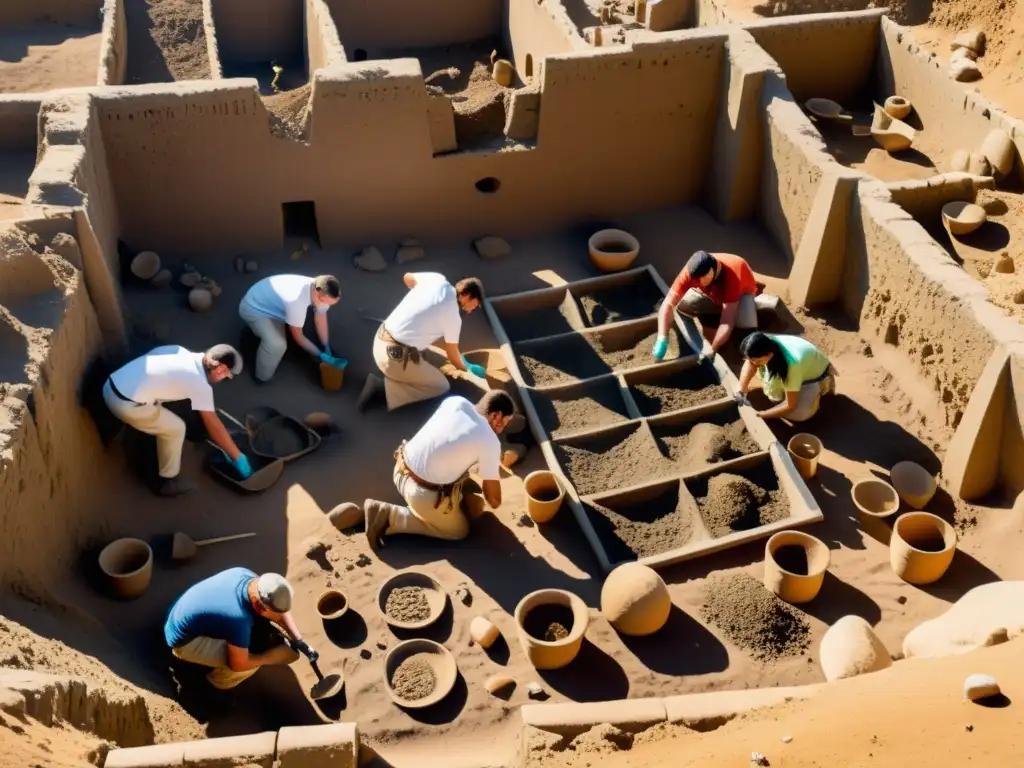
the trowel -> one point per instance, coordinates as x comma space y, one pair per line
325, 687
184, 548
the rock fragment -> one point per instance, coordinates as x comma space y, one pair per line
492, 247
964, 71
370, 259
980, 687
973, 40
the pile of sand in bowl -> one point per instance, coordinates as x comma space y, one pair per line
414, 678
408, 604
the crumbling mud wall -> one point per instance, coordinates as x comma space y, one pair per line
15, 13
534, 31
113, 44
376, 24
250, 31
323, 47
588, 104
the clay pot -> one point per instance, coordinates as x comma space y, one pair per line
891, 134
915, 484
635, 600
875, 498
921, 548
146, 265
200, 299
332, 604
790, 586
331, 377
962, 218
436, 597
128, 566
446, 671
898, 107
805, 449
503, 72
612, 250
540, 486
554, 654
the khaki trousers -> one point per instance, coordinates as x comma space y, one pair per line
810, 399
695, 302
446, 521
209, 652
155, 420
414, 382
273, 341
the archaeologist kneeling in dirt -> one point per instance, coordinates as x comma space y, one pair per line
430, 470
282, 300
709, 284
222, 621
134, 393
429, 311
793, 372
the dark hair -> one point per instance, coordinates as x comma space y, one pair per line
496, 401
759, 344
700, 264
471, 287
329, 285
225, 354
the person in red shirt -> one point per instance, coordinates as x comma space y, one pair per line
720, 282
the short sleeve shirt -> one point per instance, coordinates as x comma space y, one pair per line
285, 298
806, 362
166, 374
430, 310
454, 439
736, 279
217, 607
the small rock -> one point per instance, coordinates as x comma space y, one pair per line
382, 646
525, 521
317, 420
964, 71
365, 653
370, 259
162, 279
240, 265
200, 299
350, 566
492, 247
960, 161
499, 684
972, 39
362, 561
187, 266
980, 687
536, 691
462, 592
786, 739
756, 758
190, 279
251, 266
968, 728
961, 54
1004, 264
407, 253
902, 599
483, 631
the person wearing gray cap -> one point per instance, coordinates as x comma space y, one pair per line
136, 391
214, 622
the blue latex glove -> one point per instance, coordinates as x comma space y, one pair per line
660, 347
327, 349
337, 362
476, 370
241, 464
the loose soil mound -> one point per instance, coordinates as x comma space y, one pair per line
698, 445
620, 357
645, 528
734, 503
549, 622
408, 604
289, 118
559, 361
414, 678
166, 41
597, 405
613, 305
683, 389
602, 739
753, 618
608, 463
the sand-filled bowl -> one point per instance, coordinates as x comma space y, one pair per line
332, 604
915, 484
146, 265
551, 624
419, 673
128, 566
612, 250
795, 565
805, 450
922, 547
419, 604
962, 218
875, 497
544, 495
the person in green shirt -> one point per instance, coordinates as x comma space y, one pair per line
794, 373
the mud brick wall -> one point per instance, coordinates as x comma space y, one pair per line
114, 44
533, 31
399, 24
322, 44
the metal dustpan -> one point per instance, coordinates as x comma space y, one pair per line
274, 435
265, 471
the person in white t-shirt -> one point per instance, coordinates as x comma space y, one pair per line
135, 392
428, 312
431, 468
282, 300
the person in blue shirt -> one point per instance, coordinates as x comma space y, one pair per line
212, 624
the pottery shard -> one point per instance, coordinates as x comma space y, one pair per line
496, 684
999, 151
972, 39
987, 615
979, 165
850, 648
964, 71
407, 253
483, 632
980, 687
491, 247
370, 259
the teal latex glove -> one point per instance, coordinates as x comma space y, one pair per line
327, 349
660, 347
337, 362
476, 370
241, 464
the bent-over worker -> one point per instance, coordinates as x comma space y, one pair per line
709, 283
430, 470
430, 310
282, 300
216, 622
794, 373
135, 392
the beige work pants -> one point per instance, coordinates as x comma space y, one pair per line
414, 382
809, 399
155, 420
273, 341
695, 302
421, 517
208, 652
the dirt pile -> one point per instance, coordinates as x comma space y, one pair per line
606, 465
289, 113
638, 353
753, 618
598, 405
414, 678
684, 389
602, 739
734, 503
176, 28
652, 526
549, 622
706, 443
408, 604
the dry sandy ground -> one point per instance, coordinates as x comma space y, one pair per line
912, 714
48, 56
166, 41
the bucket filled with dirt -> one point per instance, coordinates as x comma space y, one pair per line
411, 600
551, 624
795, 565
544, 495
127, 565
419, 673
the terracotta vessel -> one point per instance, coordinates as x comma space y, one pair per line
539, 507
128, 566
805, 449
921, 548
557, 653
796, 587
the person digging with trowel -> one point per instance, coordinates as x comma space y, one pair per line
709, 284
431, 468
216, 623
283, 300
429, 311
135, 392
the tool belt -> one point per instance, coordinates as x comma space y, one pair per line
398, 351
451, 491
